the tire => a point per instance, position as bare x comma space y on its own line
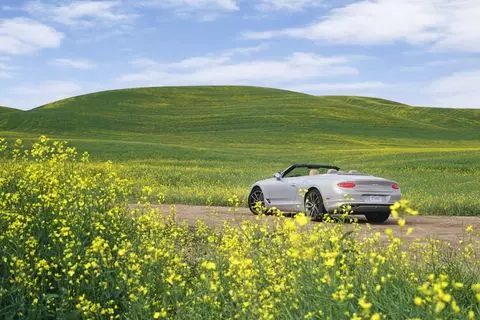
256, 195
313, 204
378, 217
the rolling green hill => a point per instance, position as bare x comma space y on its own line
4, 112
221, 139
200, 110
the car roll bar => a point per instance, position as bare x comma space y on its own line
308, 166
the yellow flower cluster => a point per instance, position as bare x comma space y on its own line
73, 247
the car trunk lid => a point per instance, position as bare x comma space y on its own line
370, 184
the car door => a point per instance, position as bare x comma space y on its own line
292, 191
282, 193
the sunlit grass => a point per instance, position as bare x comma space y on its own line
211, 142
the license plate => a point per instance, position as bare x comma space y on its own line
376, 199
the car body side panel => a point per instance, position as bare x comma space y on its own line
277, 193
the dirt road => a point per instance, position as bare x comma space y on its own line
450, 229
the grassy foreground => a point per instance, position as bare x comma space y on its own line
202, 144
72, 248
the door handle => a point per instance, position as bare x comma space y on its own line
294, 184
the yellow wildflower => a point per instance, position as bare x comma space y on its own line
208, 265
301, 219
376, 316
418, 301
455, 307
364, 304
440, 306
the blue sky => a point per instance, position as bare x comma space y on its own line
421, 52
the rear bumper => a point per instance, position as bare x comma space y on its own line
360, 202
363, 208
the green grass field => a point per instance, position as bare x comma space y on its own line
204, 144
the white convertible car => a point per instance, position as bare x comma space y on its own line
304, 188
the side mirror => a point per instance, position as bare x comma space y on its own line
277, 175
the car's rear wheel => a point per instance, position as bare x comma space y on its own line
256, 201
378, 217
314, 207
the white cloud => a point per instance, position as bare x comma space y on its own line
438, 64
412, 68
4, 66
247, 50
288, 5
80, 13
457, 90
462, 31
144, 63
442, 24
434, 63
22, 36
74, 63
5, 75
36, 94
201, 10
221, 70
189, 63
198, 62
6, 71
452, 61
183, 5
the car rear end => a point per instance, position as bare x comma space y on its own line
365, 194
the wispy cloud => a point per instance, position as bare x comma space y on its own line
299, 66
73, 63
6, 71
23, 36
80, 13
452, 61
200, 10
214, 59
247, 50
412, 68
441, 63
441, 24
225, 5
36, 94
459, 89
288, 5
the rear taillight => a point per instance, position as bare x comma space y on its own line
395, 186
346, 185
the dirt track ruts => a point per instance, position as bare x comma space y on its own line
446, 228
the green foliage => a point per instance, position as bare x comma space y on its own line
71, 247
211, 142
